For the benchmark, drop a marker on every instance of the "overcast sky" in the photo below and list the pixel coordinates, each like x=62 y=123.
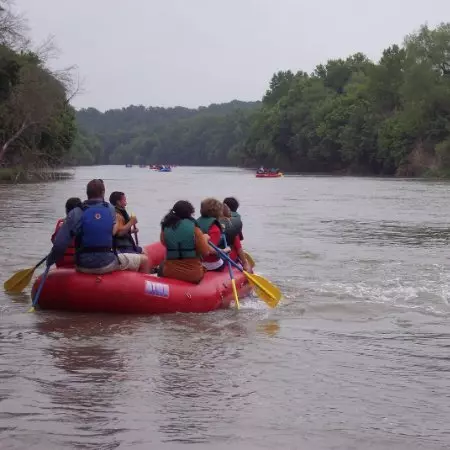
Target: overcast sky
x=197 y=52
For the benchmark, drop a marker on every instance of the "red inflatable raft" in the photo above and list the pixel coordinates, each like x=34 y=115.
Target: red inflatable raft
x=128 y=292
x=269 y=175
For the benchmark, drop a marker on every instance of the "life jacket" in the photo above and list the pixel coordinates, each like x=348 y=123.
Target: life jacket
x=205 y=223
x=125 y=242
x=231 y=229
x=68 y=260
x=180 y=240
x=97 y=223
x=237 y=223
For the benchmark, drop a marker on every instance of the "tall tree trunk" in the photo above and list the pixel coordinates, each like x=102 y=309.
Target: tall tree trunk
x=5 y=146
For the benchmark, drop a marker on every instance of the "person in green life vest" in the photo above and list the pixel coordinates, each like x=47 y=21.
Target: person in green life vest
x=232 y=239
x=211 y=211
x=185 y=244
x=236 y=220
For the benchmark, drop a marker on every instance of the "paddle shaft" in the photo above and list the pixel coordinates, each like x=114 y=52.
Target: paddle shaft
x=233 y=282
x=226 y=257
x=41 y=285
x=40 y=262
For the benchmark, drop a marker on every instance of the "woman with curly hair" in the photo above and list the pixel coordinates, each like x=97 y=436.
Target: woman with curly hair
x=185 y=244
x=211 y=211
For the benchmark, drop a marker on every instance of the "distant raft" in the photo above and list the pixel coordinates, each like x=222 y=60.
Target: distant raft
x=269 y=174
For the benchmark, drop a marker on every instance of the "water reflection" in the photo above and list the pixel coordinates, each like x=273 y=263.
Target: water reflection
x=88 y=383
x=198 y=386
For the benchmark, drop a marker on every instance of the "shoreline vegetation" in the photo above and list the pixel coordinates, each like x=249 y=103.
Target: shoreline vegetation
x=37 y=123
x=16 y=174
x=349 y=116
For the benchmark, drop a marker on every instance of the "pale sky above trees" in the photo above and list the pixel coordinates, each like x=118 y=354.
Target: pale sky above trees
x=197 y=52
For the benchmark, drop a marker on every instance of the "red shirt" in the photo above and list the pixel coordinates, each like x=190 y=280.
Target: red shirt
x=234 y=254
x=215 y=236
x=68 y=260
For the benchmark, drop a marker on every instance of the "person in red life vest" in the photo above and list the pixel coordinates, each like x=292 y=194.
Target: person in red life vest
x=211 y=211
x=68 y=260
x=233 y=239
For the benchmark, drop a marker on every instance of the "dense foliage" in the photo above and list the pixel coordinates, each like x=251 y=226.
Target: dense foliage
x=37 y=123
x=354 y=115
x=204 y=136
x=349 y=115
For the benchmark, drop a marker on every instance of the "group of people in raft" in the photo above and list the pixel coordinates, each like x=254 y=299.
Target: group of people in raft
x=96 y=237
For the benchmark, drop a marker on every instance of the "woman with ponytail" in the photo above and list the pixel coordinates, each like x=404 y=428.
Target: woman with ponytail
x=185 y=244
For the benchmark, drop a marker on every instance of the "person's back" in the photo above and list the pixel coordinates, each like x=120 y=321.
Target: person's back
x=232 y=239
x=236 y=219
x=92 y=224
x=68 y=260
x=211 y=211
x=94 y=240
x=184 y=243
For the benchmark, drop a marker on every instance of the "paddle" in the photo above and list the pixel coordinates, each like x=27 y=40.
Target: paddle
x=233 y=281
x=20 y=280
x=133 y=231
x=38 y=292
x=250 y=260
x=265 y=290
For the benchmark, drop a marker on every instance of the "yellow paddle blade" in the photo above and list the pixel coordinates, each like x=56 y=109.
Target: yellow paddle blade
x=265 y=290
x=31 y=310
x=19 y=281
x=250 y=260
x=236 y=298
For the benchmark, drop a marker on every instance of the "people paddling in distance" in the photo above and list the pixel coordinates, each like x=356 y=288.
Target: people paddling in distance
x=185 y=244
x=233 y=240
x=68 y=259
x=93 y=226
x=211 y=210
x=126 y=225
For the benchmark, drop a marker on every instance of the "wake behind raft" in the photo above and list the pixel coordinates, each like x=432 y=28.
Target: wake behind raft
x=126 y=292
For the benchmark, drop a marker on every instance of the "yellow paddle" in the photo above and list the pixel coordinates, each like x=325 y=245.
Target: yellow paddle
x=233 y=281
x=20 y=280
x=250 y=259
x=133 y=230
x=265 y=290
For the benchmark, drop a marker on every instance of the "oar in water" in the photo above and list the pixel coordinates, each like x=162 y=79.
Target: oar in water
x=265 y=290
x=20 y=280
x=233 y=281
x=38 y=292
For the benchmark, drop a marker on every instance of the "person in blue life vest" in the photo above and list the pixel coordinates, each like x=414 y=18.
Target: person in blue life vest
x=93 y=226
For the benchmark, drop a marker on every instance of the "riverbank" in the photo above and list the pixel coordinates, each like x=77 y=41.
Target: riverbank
x=19 y=175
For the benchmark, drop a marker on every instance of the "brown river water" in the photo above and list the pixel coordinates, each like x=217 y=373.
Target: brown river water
x=356 y=356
